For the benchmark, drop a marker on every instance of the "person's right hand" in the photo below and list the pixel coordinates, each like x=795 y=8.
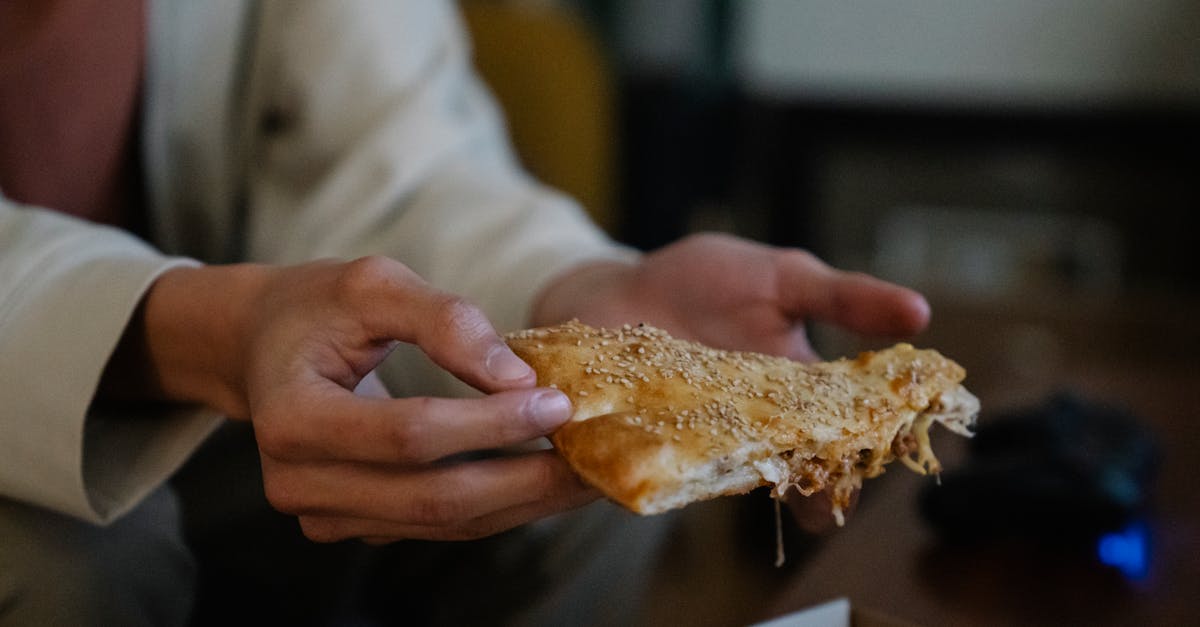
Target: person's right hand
x=286 y=347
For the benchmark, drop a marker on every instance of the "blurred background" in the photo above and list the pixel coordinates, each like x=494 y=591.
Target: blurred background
x=1030 y=165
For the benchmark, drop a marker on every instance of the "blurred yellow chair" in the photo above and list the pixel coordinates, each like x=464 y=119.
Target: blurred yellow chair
x=550 y=75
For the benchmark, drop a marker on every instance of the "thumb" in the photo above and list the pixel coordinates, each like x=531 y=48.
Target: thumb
x=457 y=336
x=454 y=333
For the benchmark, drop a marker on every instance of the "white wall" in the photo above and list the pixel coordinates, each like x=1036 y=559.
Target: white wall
x=1003 y=52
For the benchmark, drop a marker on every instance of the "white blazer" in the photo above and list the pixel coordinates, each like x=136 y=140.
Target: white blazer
x=275 y=132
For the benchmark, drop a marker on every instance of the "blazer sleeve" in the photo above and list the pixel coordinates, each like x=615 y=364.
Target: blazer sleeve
x=377 y=137
x=67 y=292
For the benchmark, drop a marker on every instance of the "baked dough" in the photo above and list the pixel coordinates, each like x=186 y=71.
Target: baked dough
x=661 y=422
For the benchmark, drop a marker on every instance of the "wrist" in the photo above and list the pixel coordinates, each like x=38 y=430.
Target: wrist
x=186 y=343
x=595 y=292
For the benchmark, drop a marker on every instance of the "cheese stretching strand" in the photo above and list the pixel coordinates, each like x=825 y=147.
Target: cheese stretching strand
x=661 y=422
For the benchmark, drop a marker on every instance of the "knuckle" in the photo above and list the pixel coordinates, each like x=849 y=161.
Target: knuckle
x=440 y=510
x=477 y=529
x=801 y=258
x=320 y=529
x=407 y=435
x=552 y=478
x=366 y=275
x=707 y=238
x=274 y=442
x=281 y=494
x=274 y=420
x=453 y=316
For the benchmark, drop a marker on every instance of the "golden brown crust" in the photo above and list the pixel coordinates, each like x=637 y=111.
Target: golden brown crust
x=660 y=422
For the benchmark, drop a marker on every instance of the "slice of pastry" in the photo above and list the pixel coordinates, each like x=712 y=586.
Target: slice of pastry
x=660 y=423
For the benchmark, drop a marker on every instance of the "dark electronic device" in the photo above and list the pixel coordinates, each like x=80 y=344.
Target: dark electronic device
x=1066 y=472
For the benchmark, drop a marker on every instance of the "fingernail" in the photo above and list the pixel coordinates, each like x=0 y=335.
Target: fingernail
x=506 y=366
x=549 y=410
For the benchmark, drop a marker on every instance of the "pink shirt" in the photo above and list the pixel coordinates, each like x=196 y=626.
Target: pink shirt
x=70 y=73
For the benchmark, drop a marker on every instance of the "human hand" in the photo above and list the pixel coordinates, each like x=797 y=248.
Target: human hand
x=736 y=294
x=297 y=343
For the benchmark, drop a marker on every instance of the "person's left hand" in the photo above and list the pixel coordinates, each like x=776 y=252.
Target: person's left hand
x=736 y=294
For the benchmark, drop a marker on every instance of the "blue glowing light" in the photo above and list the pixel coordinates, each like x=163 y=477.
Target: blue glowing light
x=1128 y=550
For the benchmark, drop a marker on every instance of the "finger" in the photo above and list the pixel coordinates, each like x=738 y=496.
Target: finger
x=419 y=430
x=377 y=532
x=397 y=304
x=434 y=497
x=794 y=344
x=859 y=302
x=762 y=330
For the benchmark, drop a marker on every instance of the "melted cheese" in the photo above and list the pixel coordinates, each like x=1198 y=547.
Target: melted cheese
x=780 y=557
x=956 y=410
x=922 y=460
